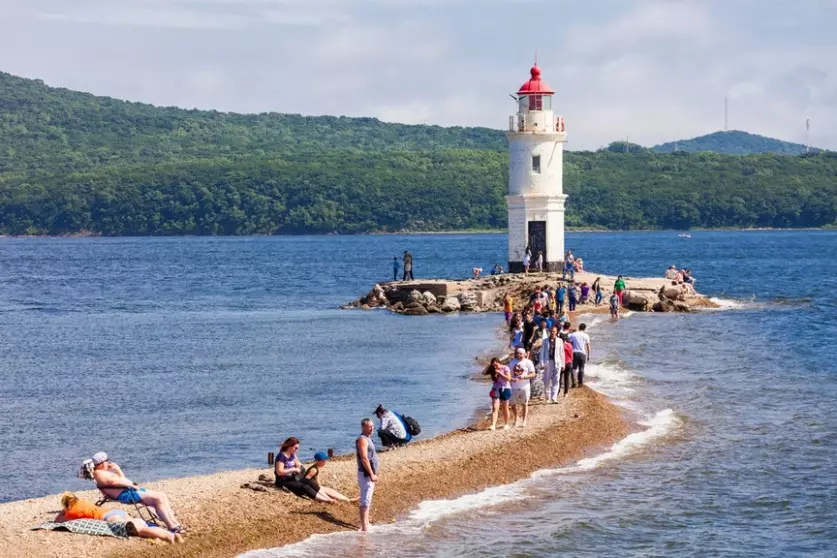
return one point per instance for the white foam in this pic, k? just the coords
(728, 303)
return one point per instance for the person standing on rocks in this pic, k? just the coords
(395, 268)
(581, 353)
(408, 266)
(552, 361)
(367, 470)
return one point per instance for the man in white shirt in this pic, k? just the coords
(392, 431)
(552, 360)
(523, 370)
(581, 352)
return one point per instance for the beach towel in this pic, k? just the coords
(88, 527)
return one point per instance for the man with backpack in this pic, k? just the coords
(395, 430)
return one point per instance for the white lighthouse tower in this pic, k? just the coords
(536, 171)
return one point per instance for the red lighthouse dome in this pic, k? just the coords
(535, 85)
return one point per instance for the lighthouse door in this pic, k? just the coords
(537, 240)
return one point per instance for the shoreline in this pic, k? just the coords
(226, 520)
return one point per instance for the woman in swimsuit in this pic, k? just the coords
(74, 508)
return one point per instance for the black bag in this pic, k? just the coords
(413, 426)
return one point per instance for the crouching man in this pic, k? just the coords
(393, 431)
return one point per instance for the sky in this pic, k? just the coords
(650, 71)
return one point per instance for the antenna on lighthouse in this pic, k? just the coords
(726, 113)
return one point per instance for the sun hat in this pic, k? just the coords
(321, 456)
(99, 458)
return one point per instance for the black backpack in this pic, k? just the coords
(412, 425)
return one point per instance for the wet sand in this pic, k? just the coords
(225, 519)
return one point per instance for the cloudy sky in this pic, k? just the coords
(650, 70)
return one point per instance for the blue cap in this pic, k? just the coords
(321, 456)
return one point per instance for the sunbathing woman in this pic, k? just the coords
(313, 472)
(113, 483)
(290, 474)
(74, 508)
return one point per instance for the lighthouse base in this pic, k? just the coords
(554, 267)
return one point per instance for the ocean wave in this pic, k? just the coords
(729, 303)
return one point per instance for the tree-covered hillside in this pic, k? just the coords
(73, 163)
(733, 142)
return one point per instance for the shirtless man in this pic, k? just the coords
(113, 483)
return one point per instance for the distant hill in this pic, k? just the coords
(72, 162)
(733, 142)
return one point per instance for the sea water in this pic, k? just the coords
(735, 453)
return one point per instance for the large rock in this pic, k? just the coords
(429, 298)
(468, 301)
(397, 307)
(416, 311)
(414, 305)
(636, 301)
(664, 305)
(672, 292)
(433, 308)
(415, 296)
(451, 304)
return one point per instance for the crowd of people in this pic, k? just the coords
(547, 348)
(681, 278)
(407, 261)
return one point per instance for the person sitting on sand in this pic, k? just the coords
(500, 391)
(312, 474)
(74, 508)
(113, 483)
(393, 431)
(290, 473)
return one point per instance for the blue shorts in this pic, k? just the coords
(501, 394)
(130, 496)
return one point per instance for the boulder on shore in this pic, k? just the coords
(418, 310)
(415, 296)
(451, 304)
(429, 298)
(468, 301)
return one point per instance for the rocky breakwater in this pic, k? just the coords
(419, 298)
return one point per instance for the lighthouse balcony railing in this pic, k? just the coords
(531, 123)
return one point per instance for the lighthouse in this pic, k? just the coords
(536, 174)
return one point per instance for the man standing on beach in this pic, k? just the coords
(581, 352)
(408, 266)
(552, 360)
(367, 470)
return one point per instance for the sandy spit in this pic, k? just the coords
(226, 519)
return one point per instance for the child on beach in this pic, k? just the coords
(614, 306)
(500, 391)
(312, 474)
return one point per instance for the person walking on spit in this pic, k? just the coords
(367, 470)
(619, 288)
(408, 266)
(552, 361)
(392, 431)
(572, 295)
(523, 370)
(500, 391)
(508, 307)
(560, 297)
(567, 372)
(395, 267)
(597, 288)
(614, 306)
(581, 353)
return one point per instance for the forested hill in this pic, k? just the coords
(46, 128)
(733, 142)
(75, 163)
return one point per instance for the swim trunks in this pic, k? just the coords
(130, 496)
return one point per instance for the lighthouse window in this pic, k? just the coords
(536, 163)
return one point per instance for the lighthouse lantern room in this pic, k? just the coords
(536, 192)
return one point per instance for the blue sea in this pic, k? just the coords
(190, 355)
